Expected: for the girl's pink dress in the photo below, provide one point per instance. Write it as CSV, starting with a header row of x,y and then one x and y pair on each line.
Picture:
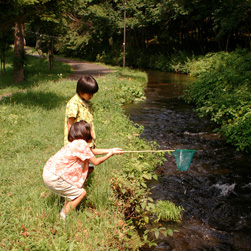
x,y
71,162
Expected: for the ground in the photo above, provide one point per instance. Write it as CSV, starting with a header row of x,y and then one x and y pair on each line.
x,y
81,68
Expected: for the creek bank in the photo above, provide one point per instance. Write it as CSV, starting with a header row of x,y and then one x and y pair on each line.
x,y
117,192
217,182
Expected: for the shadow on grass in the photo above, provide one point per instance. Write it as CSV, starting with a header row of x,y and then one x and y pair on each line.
x,y
35,72
45,100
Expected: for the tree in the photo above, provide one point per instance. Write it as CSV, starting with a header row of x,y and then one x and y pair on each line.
x,y
17,12
5,37
19,53
5,40
232,20
14,15
158,26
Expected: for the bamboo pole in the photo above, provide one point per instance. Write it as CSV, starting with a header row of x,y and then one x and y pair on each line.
x,y
148,151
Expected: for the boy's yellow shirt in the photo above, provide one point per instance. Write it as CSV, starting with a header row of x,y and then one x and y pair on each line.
x,y
80,110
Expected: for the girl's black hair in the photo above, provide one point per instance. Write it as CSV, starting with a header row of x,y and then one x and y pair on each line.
x,y
80,130
87,84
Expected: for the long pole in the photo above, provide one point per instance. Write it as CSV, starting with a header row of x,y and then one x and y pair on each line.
x,y
124,43
148,151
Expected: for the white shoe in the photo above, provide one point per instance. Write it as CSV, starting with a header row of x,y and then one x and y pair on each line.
x,y
62,214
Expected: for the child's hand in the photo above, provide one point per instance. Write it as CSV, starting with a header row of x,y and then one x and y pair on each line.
x,y
117,151
110,153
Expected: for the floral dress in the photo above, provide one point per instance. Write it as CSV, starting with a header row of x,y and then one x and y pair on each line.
x,y
71,162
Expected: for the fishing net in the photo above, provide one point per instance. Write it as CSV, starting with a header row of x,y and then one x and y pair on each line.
x,y
183,158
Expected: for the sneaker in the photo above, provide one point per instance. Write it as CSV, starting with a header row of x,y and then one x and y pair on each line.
x,y
62,214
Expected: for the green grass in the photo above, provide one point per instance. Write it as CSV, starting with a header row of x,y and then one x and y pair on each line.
x,y
31,131
36,72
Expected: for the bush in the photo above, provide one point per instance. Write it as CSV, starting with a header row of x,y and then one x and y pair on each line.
x,y
222,90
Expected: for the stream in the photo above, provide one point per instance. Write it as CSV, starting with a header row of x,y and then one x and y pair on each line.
x,y
215,191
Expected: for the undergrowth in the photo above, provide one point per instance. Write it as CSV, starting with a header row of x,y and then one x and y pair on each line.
x,y
222,90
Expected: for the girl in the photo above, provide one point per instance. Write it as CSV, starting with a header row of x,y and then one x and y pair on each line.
x,y
66,171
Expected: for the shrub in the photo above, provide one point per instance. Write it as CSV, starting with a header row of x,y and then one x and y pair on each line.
x,y
222,90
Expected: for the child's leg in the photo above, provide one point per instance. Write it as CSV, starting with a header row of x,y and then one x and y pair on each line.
x,y
90,170
70,205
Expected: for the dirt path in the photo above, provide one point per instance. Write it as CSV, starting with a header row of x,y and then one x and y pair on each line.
x,y
81,68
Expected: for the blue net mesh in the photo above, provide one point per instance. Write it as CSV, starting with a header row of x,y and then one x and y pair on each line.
x,y
183,158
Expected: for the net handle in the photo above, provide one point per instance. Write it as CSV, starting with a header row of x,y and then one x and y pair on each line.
x,y
148,151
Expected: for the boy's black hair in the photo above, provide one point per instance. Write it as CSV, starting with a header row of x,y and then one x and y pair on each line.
x,y
80,130
87,84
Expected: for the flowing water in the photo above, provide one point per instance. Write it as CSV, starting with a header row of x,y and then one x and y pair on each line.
x,y
216,190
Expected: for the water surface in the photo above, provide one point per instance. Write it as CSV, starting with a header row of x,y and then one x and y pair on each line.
x,y
216,190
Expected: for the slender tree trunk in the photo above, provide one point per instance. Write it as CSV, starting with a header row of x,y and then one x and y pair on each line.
x,y
19,52
249,39
3,62
51,55
227,41
38,46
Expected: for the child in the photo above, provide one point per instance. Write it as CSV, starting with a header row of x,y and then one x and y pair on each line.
x,y
66,171
79,108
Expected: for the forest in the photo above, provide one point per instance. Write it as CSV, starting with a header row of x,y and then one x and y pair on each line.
x,y
155,30
166,35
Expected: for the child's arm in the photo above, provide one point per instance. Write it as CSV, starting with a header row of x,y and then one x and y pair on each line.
x,y
70,122
98,151
110,152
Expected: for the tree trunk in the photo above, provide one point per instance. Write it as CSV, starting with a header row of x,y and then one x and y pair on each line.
x,y
3,62
19,53
38,46
51,56
227,42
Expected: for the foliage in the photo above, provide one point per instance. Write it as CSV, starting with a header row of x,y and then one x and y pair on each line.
x,y
117,201
155,28
157,31
94,29
48,15
166,210
222,91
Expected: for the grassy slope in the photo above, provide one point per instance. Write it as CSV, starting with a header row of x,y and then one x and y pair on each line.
x,y
31,130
